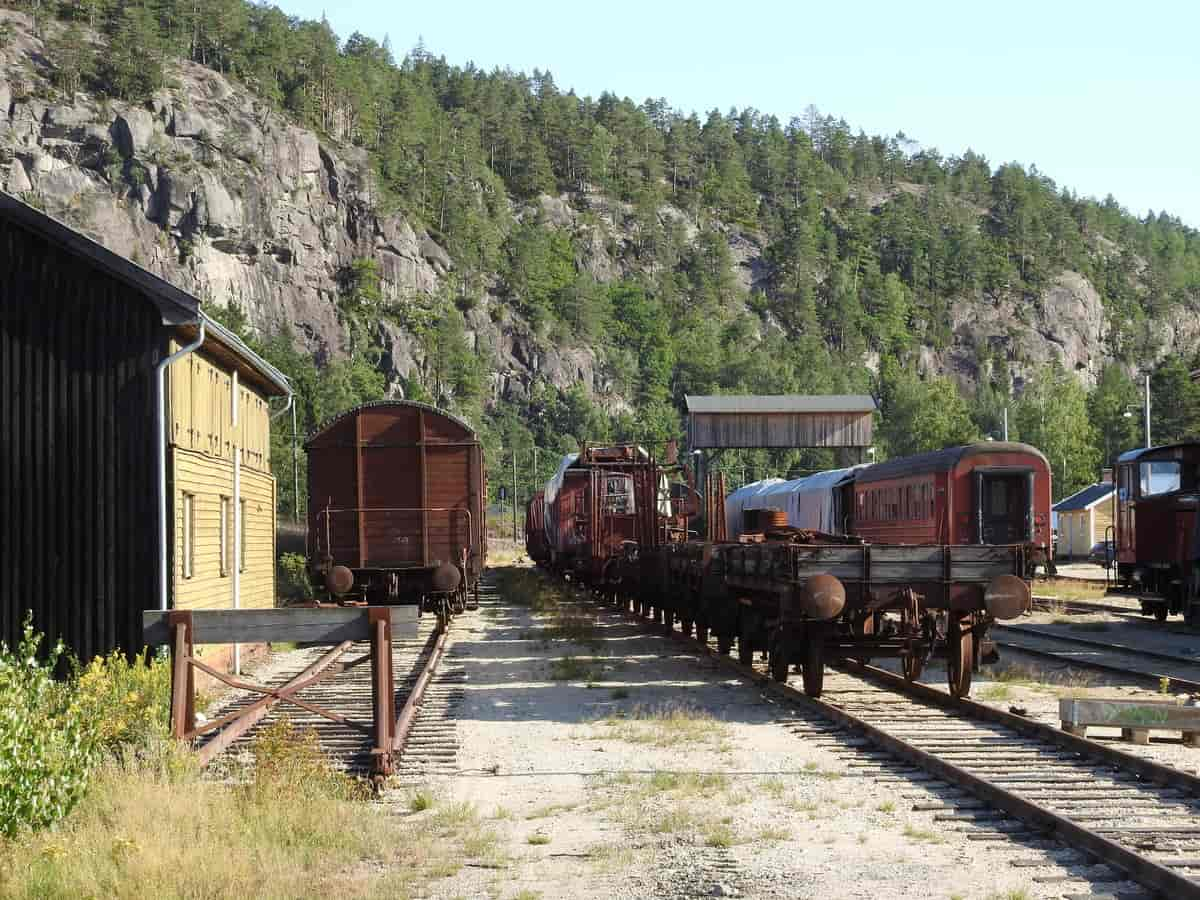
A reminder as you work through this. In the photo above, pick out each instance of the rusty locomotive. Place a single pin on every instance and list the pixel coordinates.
(925, 553)
(1157, 528)
(396, 504)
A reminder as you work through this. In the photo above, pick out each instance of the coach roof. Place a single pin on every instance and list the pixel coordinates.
(940, 460)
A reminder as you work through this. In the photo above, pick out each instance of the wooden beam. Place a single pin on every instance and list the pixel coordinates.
(301, 625)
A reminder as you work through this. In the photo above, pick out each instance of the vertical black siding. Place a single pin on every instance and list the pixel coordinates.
(78, 511)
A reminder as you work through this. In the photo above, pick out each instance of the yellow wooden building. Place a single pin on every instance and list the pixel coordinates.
(222, 491)
(1084, 519)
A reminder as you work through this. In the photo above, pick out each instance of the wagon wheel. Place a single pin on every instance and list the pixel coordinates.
(912, 666)
(866, 628)
(779, 661)
(814, 663)
(745, 647)
(960, 654)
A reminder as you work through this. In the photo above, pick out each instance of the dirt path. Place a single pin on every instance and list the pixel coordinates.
(599, 761)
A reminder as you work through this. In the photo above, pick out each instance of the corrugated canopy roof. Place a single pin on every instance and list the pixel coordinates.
(781, 403)
(1089, 496)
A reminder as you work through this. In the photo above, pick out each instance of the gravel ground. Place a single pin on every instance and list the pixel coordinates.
(626, 768)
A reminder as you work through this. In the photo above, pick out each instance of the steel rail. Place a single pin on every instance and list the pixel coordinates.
(1132, 674)
(408, 715)
(1138, 868)
(1101, 645)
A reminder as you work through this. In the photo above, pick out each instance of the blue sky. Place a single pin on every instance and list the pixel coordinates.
(1103, 97)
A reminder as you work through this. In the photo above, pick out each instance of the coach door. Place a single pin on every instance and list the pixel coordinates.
(1003, 506)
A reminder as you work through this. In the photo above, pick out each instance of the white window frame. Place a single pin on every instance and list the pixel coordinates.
(188, 542)
(242, 534)
(224, 533)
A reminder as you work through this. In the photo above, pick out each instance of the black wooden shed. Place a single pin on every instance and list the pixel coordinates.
(81, 330)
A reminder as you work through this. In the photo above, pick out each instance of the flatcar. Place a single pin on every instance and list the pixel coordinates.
(1157, 528)
(396, 506)
(933, 549)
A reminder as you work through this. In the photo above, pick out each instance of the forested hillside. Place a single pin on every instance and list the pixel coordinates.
(558, 267)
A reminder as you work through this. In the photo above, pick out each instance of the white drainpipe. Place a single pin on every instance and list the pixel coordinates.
(161, 425)
(237, 521)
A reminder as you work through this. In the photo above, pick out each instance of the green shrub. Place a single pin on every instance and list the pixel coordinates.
(128, 704)
(289, 762)
(48, 747)
(293, 577)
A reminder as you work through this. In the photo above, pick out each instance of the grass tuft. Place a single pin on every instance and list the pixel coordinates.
(667, 725)
(924, 835)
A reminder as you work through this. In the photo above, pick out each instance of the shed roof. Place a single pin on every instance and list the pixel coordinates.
(176, 306)
(1085, 499)
(780, 403)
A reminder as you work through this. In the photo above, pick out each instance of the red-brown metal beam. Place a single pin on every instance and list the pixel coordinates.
(408, 715)
(243, 720)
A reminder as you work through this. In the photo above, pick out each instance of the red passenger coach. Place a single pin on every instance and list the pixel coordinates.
(396, 506)
(985, 493)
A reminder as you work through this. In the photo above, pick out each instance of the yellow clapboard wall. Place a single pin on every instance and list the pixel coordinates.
(202, 438)
(207, 480)
(201, 418)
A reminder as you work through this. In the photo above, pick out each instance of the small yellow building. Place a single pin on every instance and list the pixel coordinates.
(1084, 519)
(219, 467)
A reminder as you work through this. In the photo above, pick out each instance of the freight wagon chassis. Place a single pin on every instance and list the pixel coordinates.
(182, 630)
(803, 604)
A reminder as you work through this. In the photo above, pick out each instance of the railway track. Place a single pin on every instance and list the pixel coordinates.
(1001, 777)
(427, 690)
(1147, 666)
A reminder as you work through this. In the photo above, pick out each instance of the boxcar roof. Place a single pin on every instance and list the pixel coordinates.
(382, 404)
(939, 460)
(177, 307)
(1166, 451)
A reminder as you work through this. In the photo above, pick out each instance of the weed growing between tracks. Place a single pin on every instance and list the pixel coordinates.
(667, 725)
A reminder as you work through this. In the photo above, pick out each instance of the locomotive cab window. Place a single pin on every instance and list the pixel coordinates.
(1159, 477)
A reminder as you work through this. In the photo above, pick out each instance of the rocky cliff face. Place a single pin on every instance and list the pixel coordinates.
(213, 190)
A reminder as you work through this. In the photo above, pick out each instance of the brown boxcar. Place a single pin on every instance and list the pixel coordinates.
(397, 494)
(535, 529)
(602, 503)
(1158, 528)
